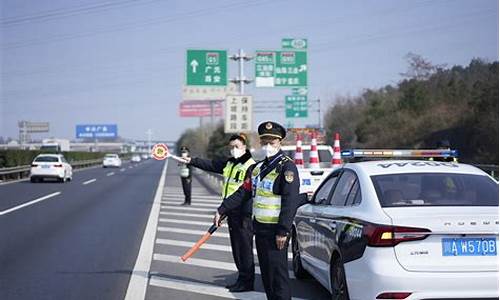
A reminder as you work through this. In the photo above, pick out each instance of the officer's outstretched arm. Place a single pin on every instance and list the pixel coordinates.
(289, 185)
(216, 165)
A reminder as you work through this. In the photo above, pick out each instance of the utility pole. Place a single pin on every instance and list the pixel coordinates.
(241, 80)
(149, 133)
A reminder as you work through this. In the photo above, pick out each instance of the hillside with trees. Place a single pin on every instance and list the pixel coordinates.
(431, 103)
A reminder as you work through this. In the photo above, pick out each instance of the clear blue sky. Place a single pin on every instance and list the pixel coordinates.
(74, 62)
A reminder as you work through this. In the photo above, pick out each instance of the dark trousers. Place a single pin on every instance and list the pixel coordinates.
(241, 235)
(186, 187)
(273, 267)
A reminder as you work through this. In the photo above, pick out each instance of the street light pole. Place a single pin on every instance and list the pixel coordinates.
(241, 80)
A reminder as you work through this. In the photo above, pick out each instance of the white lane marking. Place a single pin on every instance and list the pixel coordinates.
(189, 222)
(193, 204)
(122, 169)
(169, 207)
(194, 200)
(89, 181)
(28, 203)
(206, 263)
(206, 246)
(193, 232)
(110, 174)
(204, 289)
(130, 167)
(139, 279)
(186, 215)
(181, 193)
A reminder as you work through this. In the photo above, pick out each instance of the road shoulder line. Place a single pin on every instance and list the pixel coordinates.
(140, 275)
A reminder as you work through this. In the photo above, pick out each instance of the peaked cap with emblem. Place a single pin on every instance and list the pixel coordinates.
(271, 129)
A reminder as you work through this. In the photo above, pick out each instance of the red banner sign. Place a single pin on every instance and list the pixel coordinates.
(200, 108)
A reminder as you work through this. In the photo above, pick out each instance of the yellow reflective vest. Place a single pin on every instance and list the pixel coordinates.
(234, 175)
(266, 204)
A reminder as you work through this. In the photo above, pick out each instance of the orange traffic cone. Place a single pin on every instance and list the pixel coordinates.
(313, 154)
(336, 159)
(299, 156)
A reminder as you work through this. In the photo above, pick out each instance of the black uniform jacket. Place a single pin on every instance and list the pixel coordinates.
(217, 166)
(286, 186)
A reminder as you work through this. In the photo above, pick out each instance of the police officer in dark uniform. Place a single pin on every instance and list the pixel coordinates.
(239, 221)
(271, 191)
(185, 171)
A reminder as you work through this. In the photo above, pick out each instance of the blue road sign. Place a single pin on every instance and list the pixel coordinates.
(96, 131)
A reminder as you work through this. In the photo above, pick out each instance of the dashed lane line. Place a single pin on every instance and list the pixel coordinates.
(110, 174)
(89, 181)
(29, 203)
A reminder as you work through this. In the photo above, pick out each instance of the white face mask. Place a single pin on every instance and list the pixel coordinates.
(270, 150)
(237, 153)
(184, 155)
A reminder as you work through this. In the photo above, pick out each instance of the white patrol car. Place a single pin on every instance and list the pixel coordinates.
(311, 178)
(401, 229)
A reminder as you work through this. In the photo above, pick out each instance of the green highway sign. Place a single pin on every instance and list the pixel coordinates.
(296, 106)
(265, 63)
(297, 44)
(206, 67)
(281, 69)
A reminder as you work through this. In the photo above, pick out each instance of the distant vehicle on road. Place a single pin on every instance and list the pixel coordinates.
(144, 156)
(136, 158)
(111, 160)
(52, 166)
(55, 145)
(401, 229)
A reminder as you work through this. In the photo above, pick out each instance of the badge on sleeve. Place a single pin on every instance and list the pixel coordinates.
(289, 176)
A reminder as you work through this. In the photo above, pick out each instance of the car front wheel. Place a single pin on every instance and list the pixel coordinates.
(338, 282)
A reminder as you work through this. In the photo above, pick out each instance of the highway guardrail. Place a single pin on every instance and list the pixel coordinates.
(19, 172)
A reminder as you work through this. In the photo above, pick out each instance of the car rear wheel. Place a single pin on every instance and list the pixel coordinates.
(338, 281)
(298, 269)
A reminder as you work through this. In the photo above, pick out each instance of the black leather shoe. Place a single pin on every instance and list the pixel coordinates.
(240, 288)
(231, 285)
(185, 203)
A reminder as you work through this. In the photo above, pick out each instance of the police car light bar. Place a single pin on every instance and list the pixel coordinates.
(352, 153)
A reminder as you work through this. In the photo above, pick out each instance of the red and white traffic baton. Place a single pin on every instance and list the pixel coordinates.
(160, 152)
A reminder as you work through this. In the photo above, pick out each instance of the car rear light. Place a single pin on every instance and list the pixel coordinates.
(58, 166)
(389, 236)
(34, 165)
(398, 295)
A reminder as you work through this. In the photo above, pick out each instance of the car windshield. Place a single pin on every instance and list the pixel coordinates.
(111, 156)
(435, 189)
(47, 159)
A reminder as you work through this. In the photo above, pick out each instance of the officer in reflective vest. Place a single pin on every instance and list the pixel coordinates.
(271, 191)
(186, 176)
(234, 171)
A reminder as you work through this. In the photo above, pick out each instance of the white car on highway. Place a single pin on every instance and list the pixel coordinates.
(50, 166)
(136, 158)
(111, 160)
(401, 229)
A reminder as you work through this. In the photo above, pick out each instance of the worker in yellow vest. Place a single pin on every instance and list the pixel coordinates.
(239, 221)
(271, 189)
